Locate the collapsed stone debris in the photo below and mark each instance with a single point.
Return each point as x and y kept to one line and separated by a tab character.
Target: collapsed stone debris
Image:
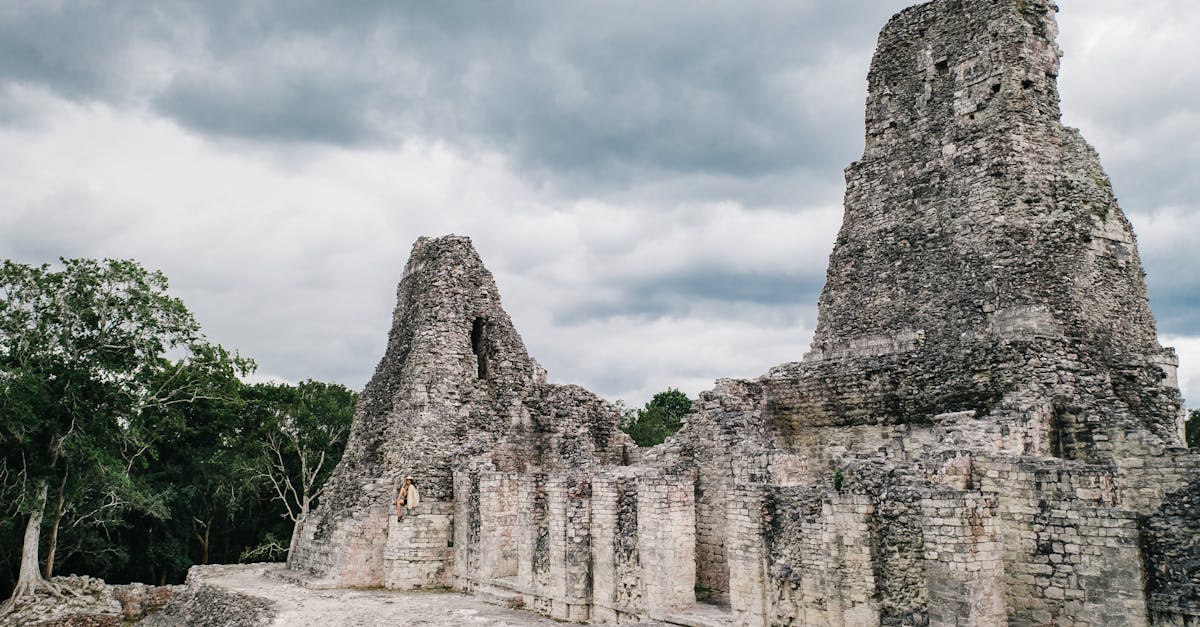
986	429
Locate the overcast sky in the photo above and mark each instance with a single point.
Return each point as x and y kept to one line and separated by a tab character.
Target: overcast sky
655	185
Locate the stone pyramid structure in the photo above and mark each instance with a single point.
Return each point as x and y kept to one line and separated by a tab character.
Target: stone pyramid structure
986	430
455	388
980	232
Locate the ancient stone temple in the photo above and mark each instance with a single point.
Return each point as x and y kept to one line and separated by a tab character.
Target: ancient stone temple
985	431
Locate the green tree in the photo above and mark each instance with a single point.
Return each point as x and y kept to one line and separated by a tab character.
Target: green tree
1192	429
660	418
626	415
200	466
306	427
83	358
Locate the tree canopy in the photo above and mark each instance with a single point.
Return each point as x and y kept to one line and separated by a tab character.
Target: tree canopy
304	432
661	417
83	359
1192	429
130	447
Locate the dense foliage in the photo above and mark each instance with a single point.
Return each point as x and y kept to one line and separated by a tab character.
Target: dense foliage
131	442
661	417
1192	429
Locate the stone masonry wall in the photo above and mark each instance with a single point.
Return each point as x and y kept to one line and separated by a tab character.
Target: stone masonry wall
1068	548
819	558
985	431
1166	493
419	551
455	386
666	543
978	233
963	560
618	546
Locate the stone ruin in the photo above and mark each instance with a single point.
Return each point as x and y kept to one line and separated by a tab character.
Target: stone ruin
986	429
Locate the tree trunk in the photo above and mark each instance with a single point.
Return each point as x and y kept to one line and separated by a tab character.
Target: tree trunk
58	516
297	527
202	538
30	578
204	543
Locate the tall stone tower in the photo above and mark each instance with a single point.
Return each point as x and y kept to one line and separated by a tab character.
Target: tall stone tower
455	389
986	430
983	263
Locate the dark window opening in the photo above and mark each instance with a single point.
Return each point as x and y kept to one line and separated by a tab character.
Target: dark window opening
1027	84
942	66
1069	434
996	88
477	346
1056	436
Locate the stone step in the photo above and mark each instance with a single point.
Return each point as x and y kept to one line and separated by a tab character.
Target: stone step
696	621
702	615
496	595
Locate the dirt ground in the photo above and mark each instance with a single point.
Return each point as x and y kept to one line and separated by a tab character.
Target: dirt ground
312	608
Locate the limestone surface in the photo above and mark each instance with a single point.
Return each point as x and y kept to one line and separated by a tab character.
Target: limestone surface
986	430
253	594
455	391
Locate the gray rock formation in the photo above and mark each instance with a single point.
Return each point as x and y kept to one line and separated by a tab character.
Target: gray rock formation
455	389
986	428
90	602
985	431
979	232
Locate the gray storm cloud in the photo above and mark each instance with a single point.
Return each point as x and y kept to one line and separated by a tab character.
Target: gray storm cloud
655	185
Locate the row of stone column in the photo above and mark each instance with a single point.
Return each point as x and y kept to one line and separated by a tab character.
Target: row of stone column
617	545
799	556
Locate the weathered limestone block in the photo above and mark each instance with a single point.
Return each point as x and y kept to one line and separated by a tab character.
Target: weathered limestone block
747	550
1069	550
985	430
498	502
419	553
819	565
532	532
666	528
454	386
618	576
964	555
1166	493
569	511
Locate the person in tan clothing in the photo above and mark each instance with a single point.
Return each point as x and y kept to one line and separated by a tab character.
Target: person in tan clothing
409	498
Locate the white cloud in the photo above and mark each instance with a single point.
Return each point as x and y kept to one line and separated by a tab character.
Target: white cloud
634	359
1188	349
290	250
293	258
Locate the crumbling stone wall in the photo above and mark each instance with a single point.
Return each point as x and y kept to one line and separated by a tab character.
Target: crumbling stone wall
616	558
419	548
1170	534
985	431
455	387
982	250
984	334
819	558
611	545
1069	547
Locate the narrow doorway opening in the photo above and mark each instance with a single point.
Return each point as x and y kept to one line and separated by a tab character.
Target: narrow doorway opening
478	328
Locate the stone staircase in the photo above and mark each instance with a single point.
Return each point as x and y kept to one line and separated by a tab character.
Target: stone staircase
700	615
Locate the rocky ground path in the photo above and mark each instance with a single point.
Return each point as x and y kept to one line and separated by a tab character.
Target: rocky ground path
296	605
